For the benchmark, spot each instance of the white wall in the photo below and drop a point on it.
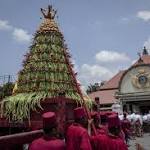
(131, 78)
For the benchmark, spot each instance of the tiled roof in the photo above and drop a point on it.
(145, 59)
(106, 96)
(113, 83)
(107, 91)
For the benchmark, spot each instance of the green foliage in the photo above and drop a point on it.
(91, 88)
(6, 90)
(94, 87)
(1, 92)
(19, 106)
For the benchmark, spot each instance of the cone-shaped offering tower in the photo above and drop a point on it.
(47, 72)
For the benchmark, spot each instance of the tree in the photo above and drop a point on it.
(1, 92)
(6, 90)
(95, 87)
(92, 88)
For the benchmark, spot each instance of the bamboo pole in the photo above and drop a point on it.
(79, 91)
(20, 138)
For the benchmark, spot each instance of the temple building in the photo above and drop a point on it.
(130, 88)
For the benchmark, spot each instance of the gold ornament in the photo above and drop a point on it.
(49, 23)
(141, 79)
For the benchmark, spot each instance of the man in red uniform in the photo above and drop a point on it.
(126, 127)
(100, 128)
(112, 141)
(104, 122)
(49, 141)
(77, 136)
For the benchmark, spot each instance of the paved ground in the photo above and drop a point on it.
(144, 141)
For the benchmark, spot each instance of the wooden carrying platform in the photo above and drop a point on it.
(63, 107)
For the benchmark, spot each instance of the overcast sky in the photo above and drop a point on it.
(103, 36)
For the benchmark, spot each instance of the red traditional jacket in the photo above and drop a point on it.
(47, 144)
(77, 138)
(108, 142)
(102, 129)
(122, 135)
(126, 126)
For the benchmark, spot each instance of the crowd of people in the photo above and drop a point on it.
(138, 123)
(104, 131)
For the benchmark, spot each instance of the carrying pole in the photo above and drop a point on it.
(79, 91)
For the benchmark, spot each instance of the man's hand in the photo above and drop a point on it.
(139, 147)
(90, 121)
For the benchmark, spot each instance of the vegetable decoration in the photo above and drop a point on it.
(47, 70)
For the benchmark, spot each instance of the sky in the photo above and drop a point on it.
(103, 36)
